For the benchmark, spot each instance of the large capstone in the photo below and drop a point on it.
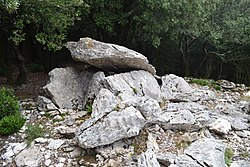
(108, 56)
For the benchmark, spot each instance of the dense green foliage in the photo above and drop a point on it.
(202, 38)
(11, 124)
(11, 119)
(8, 103)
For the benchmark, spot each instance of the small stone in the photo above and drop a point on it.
(55, 144)
(41, 140)
(69, 121)
(62, 160)
(59, 165)
(239, 124)
(43, 149)
(57, 118)
(66, 131)
(76, 153)
(47, 155)
(220, 126)
(68, 149)
(54, 112)
(241, 134)
(47, 162)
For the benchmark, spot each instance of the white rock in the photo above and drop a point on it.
(76, 153)
(65, 131)
(55, 144)
(113, 127)
(117, 148)
(172, 84)
(104, 103)
(41, 140)
(207, 152)
(58, 118)
(68, 86)
(148, 159)
(62, 160)
(59, 165)
(135, 83)
(47, 162)
(149, 108)
(108, 56)
(13, 149)
(220, 126)
(181, 120)
(31, 157)
(44, 104)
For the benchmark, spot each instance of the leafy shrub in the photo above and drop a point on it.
(205, 82)
(229, 153)
(33, 132)
(8, 103)
(201, 82)
(11, 119)
(89, 108)
(11, 123)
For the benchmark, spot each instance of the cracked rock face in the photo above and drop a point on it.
(108, 56)
(213, 149)
(135, 83)
(113, 127)
(68, 86)
(29, 157)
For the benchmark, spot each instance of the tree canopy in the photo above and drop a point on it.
(201, 38)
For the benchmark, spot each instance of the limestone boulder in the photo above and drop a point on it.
(45, 104)
(181, 120)
(207, 152)
(148, 159)
(172, 85)
(115, 126)
(70, 87)
(67, 86)
(108, 56)
(104, 103)
(220, 126)
(133, 84)
(30, 157)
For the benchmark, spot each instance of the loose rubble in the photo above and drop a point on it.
(98, 119)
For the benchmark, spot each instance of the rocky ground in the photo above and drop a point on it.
(128, 117)
(188, 145)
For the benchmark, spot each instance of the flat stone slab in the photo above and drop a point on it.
(108, 56)
(115, 126)
(208, 152)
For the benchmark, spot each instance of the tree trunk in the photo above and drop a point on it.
(9, 75)
(22, 76)
(183, 47)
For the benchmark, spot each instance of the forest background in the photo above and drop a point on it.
(192, 38)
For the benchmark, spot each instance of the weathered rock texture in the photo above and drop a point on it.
(115, 126)
(134, 121)
(68, 86)
(108, 56)
(135, 83)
